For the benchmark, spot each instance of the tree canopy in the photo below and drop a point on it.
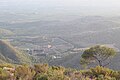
(99, 53)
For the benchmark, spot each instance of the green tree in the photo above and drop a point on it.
(99, 53)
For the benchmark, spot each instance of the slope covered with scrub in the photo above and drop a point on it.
(45, 72)
(9, 54)
(4, 32)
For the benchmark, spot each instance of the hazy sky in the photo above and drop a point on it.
(92, 5)
(66, 3)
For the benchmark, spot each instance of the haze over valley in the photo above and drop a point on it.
(57, 33)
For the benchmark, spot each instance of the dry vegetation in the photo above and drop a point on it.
(45, 72)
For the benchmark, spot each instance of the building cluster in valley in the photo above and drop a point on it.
(42, 47)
